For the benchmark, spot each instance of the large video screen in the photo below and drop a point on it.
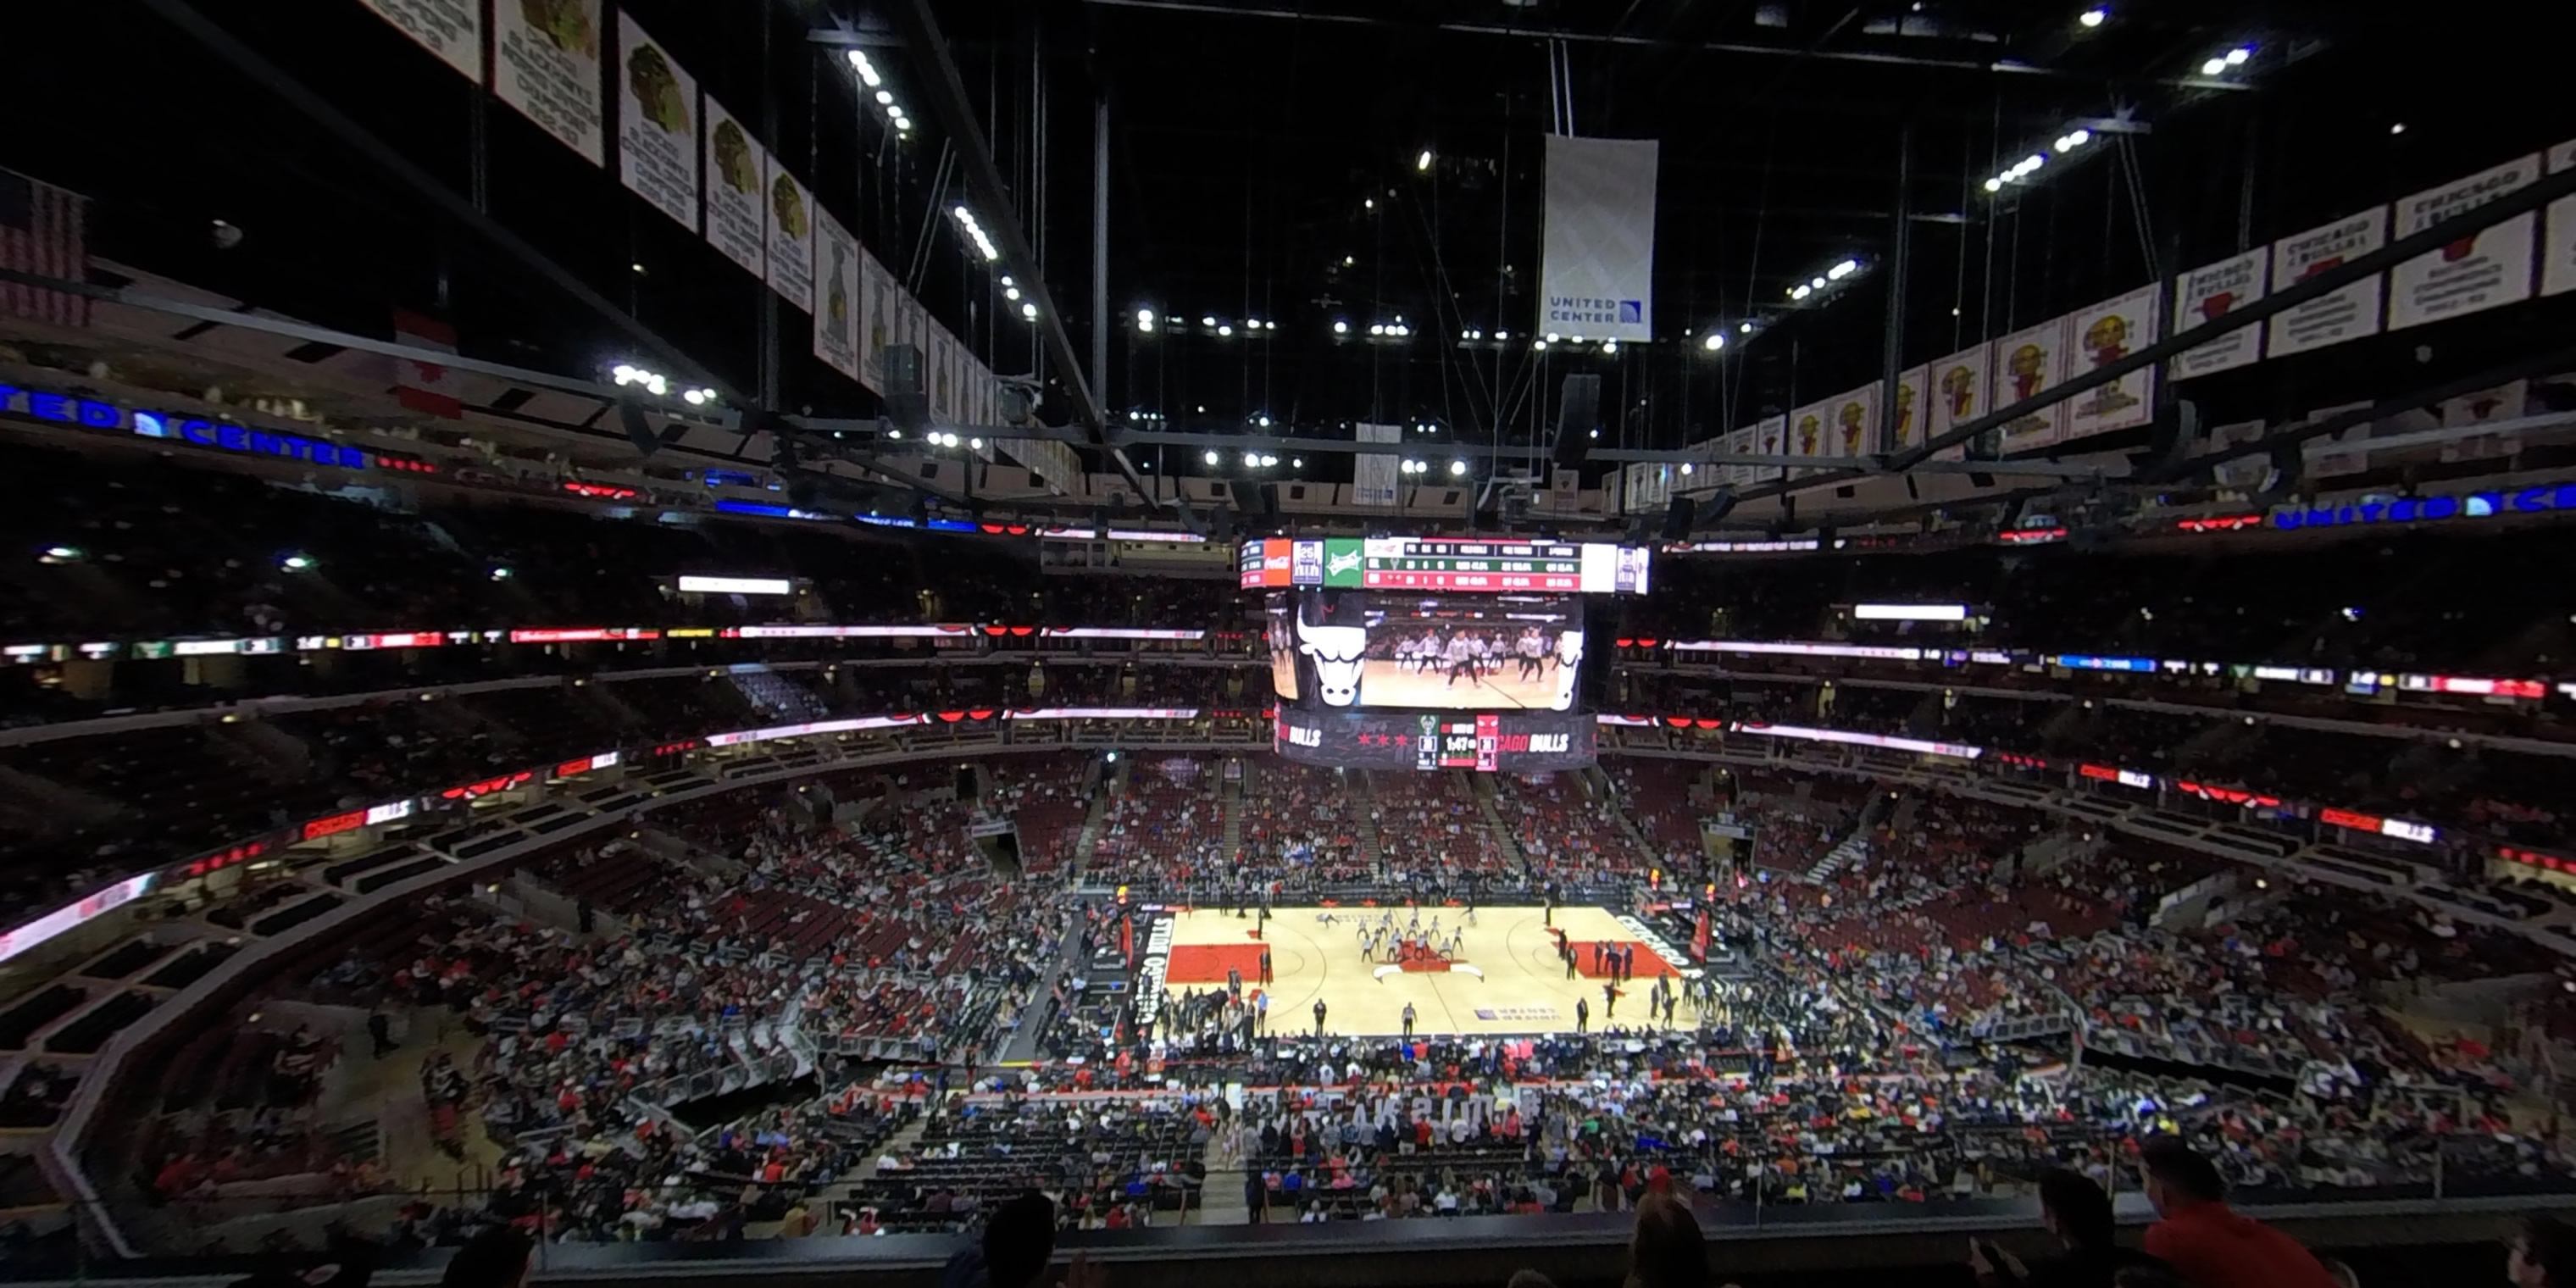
(1440, 565)
(1367, 649)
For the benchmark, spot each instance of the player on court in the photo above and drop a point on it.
(1531, 649)
(1461, 655)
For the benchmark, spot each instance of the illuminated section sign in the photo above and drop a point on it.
(2088, 662)
(810, 729)
(2397, 828)
(2139, 779)
(582, 634)
(2473, 686)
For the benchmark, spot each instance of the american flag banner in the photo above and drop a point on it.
(41, 233)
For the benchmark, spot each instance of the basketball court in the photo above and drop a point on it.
(1505, 979)
(1397, 684)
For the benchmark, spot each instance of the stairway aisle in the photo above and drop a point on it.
(1220, 1201)
(1363, 798)
(1483, 787)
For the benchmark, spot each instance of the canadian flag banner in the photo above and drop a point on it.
(426, 387)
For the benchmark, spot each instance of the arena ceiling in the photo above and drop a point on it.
(1267, 161)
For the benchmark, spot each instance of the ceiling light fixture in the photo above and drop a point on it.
(1423, 162)
(2092, 17)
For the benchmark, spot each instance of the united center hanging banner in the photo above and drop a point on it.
(2558, 240)
(836, 296)
(2026, 365)
(1597, 248)
(1373, 473)
(2347, 314)
(2104, 334)
(1913, 408)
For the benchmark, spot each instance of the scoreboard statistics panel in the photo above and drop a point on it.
(1512, 742)
(1446, 565)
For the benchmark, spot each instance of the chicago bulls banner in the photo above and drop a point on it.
(1597, 249)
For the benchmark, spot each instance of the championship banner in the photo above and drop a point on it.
(1959, 391)
(734, 168)
(2026, 364)
(545, 63)
(1373, 473)
(451, 29)
(657, 125)
(1597, 246)
(1855, 425)
(2481, 270)
(2348, 314)
(2209, 293)
(2558, 241)
(1770, 438)
(1807, 426)
(876, 320)
(789, 238)
(836, 317)
(1913, 408)
(2104, 334)
(942, 358)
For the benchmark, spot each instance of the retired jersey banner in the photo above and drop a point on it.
(1959, 395)
(451, 29)
(545, 63)
(2480, 270)
(2211, 292)
(657, 125)
(789, 238)
(1743, 440)
(2029, 363)
(1373, 473)
(1597, 246)
(2558, 240)
(2104, 334)
(836, 308)
(2348, 314)
(735, 169)
(1913, 406)
(1770, 438)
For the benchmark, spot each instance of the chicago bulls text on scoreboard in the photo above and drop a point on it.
(1445, 564)
(1515, 742)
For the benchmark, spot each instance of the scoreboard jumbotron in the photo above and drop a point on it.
(1446, 565)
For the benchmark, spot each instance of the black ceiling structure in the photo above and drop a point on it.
(1299, 163)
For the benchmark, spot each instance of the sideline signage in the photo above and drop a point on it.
(89, 413)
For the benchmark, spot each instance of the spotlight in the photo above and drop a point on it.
(2092, 17)
(1686, 469)
(1538, 344)
(2237, 57)
(1368, 203)
(1341, 327)
(895, 434)
(1297, 462)
(885, 98)
(1994, 185)
(1502, 335)
(2397, 128)
(975, 443)
(500, 574)
(1457, 468)
(1423, 162)
(1207, 320)
(1225, 330)
(903, 125)
(296, 563)
(1262, 421)
(1745, 328)
(1029, 310)
(1013, 293)
(2213, 67)
(622, 372)
(1716, 340)
(1251, 458)
(1842, 270)
(1377, 328)
(695, 397)
(1212, 458)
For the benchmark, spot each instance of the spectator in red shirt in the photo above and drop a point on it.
(2208, 1244)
